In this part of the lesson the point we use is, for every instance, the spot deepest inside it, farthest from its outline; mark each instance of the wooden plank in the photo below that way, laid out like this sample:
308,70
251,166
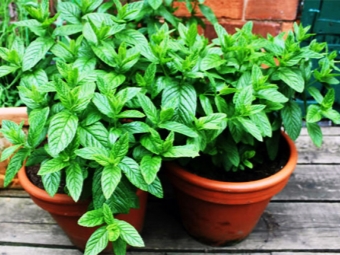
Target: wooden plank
13,193
328,153
15,250
299,226
22,210
327,131
312,183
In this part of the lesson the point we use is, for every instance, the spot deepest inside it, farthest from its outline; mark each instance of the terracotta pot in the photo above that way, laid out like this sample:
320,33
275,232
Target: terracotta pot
16,114
222,213
66,212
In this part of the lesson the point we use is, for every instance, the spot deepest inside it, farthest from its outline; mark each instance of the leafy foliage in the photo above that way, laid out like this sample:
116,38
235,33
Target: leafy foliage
116,91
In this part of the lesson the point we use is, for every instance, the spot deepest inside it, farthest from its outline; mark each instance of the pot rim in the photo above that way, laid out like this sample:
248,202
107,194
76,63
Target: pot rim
40,193
239,187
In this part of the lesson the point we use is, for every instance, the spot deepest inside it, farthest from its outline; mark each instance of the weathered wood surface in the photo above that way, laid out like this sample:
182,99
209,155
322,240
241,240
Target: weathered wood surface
304,219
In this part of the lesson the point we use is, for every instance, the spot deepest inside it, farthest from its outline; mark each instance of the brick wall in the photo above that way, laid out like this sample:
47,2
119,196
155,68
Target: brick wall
269,16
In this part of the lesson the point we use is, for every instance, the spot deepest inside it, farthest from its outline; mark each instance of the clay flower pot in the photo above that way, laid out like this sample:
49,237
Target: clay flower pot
16,114
66,212
221,213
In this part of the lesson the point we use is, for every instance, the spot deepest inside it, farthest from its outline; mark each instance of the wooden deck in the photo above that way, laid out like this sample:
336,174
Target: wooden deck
304,219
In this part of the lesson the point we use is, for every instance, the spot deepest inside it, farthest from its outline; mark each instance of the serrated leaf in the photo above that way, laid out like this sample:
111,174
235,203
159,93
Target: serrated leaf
62,129
131,114
155,3
101,155
329,99
51,182
262,122
178,128
251,128
74,180
211,61
67,30
97,242
136,127
333,115
130,234
315,133
293,78
313,114
149,108
95,135
15,164
5,70
212,121
6,153
316,94
35,52
37,120
111,177
120,148
181,151
52,166
70,12
292,119
152,142
183,99
271,94
119,247
13,132
132,171
149,167
103,105
92,218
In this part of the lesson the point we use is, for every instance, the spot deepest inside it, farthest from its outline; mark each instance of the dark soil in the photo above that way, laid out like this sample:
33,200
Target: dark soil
207,169
32,174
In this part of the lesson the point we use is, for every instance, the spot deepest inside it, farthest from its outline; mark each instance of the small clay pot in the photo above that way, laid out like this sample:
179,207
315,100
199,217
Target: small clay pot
66,212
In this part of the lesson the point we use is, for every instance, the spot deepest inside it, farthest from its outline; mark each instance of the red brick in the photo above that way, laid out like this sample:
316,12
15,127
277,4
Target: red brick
232,9
271,9
230,26
264,28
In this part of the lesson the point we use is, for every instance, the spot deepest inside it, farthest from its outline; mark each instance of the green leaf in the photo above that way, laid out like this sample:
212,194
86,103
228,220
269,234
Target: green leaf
313,113
316,94
74,180
103,104
4,70
178,128
149,108
67,30
333,115
111,177
13,132
211,61
152,142
251,128
6,153
108,215
62,130
120,148
101,155
92,218
130,234
206,104
97,242
131,114
271,94
51,182
136,127
15,164
186,151
261,120
70,12
292,119
212,121
208,13
293,78
155,3
37,121
132,171
95,135
329,99
119,247
35,52
53,165
315,133
149,167
183,99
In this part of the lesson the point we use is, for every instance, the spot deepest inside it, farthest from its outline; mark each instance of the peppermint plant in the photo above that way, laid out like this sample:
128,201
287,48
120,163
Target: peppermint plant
105,108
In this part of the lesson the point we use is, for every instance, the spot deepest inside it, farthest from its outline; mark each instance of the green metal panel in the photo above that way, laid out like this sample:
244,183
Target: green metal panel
324,18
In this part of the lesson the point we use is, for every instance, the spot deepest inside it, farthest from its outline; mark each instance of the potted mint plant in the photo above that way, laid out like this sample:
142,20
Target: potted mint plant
97,92
248,157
